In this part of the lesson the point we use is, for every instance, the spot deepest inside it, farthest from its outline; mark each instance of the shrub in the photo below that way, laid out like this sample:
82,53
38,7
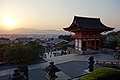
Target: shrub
103,74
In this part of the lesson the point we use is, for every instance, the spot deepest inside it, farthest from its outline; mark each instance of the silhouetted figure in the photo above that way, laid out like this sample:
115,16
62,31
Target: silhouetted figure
51,70
91,63
17,75
24,69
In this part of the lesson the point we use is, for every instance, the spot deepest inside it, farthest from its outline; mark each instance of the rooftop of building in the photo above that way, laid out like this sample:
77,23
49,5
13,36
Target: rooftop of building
87,23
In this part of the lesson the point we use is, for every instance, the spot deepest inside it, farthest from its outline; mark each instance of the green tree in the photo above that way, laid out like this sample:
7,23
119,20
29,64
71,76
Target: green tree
64,48
1,54
23,53
35,48
65,37
113,39
102,42
113,44
2,50
14,54
119,44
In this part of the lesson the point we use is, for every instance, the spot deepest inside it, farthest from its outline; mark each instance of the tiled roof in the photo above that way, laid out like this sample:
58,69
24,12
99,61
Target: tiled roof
56,41
71,43
87,23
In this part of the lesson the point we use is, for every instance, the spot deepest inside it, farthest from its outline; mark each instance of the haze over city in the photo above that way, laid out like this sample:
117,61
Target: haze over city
55,14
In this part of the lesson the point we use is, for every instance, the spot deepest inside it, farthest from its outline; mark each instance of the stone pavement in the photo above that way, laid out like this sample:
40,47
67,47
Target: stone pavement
74,68
71,66
77,57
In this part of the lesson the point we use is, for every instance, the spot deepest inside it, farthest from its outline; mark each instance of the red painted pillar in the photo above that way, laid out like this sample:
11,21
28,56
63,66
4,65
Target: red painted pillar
81,44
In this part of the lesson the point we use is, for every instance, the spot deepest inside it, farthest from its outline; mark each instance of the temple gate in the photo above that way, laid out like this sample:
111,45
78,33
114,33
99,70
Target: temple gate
87,32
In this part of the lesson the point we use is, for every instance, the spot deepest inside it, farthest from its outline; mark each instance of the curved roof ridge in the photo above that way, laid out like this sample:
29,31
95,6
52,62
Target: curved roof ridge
85,17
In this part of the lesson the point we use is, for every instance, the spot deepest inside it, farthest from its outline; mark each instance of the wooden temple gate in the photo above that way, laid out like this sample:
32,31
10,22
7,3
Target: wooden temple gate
87,32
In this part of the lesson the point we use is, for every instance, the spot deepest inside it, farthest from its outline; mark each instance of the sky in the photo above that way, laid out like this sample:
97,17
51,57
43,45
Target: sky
56,14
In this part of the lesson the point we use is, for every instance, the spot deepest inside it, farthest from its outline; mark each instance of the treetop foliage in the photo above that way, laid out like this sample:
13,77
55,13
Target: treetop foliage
19,53
65,37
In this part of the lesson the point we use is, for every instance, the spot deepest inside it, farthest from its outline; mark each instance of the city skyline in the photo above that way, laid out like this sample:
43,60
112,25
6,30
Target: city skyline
55,14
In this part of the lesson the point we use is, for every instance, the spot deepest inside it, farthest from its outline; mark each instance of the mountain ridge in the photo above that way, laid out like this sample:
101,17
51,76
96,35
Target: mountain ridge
32,31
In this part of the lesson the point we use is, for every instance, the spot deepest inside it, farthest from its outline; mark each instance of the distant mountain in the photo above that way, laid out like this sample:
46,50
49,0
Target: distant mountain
33,31
2,31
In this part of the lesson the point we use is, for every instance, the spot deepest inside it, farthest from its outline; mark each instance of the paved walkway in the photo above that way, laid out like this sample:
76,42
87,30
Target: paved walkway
76,57
62,62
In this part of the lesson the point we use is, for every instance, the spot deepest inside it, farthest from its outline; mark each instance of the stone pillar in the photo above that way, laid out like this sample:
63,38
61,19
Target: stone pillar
18,74
91,63
51,71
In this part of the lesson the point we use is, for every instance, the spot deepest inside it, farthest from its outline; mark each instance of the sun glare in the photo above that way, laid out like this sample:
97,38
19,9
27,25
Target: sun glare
9,23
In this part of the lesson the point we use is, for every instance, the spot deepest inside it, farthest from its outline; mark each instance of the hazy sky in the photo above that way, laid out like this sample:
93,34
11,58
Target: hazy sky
57,14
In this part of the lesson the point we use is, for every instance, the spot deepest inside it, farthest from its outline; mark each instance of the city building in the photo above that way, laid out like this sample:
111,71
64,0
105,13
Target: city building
4,40
54,47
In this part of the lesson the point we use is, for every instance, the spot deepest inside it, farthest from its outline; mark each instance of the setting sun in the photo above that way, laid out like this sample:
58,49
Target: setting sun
9,23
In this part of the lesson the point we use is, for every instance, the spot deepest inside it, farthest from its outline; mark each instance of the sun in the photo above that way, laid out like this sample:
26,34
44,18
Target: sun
9,23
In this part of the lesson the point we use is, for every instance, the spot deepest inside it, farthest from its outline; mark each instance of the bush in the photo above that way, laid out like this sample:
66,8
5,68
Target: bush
103,74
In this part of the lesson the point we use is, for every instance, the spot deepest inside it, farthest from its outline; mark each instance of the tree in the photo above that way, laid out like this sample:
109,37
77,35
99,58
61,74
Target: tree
2,50
23,53
119,44
103,41
36,48
1,54
65,37
113,44
112,40
64,48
